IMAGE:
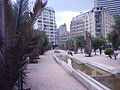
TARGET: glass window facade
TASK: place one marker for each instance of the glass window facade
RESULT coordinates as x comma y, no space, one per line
112,5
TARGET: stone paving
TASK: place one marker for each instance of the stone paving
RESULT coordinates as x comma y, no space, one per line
103,59
48,75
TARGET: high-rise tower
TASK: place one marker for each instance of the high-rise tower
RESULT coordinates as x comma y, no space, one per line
46,22
113,6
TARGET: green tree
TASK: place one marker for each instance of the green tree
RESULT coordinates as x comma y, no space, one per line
70,45
40,42
15,32
114,36
114,39
116,27
97,43
79,42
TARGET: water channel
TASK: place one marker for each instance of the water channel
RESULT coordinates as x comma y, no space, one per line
109,80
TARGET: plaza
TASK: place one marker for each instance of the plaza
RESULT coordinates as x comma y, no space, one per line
49,75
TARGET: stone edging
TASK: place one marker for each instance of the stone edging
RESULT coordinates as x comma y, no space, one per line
107,68
86,80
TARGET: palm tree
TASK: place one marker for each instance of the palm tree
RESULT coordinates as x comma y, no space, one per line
40,43
15,32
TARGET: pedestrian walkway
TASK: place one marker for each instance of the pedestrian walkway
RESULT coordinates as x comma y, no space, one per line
48,75
103,59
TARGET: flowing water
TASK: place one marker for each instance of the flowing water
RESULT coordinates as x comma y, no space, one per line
107,79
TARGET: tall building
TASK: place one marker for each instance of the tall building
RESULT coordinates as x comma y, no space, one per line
77,26
65,37
46,22
111,5
97,21
62,30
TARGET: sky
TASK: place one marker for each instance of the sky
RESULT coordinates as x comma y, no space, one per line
67,9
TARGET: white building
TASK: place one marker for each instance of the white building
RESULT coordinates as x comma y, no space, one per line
46,22
97,21
77,26
62,30
65,37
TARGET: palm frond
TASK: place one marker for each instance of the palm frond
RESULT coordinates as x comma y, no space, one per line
15,35
22,8
9,61
1,25
7,24
39,5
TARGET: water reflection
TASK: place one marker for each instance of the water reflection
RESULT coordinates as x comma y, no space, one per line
107,79
111,81
88,69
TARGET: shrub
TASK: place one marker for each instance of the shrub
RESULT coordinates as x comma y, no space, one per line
109,51
56,51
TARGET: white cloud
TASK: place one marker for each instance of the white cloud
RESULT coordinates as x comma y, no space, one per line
65,17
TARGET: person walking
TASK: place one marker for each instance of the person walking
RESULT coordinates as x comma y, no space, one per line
70,52
100,49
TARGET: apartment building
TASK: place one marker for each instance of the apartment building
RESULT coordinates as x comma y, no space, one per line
77,26
65,37
46,22
97,21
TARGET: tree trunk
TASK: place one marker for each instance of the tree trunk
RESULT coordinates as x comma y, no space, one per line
81,50
100,49
95,51
89,55
75,50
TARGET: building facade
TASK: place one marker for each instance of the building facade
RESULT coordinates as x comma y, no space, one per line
77,26
98,22
65,37
46,22
62,31
112,5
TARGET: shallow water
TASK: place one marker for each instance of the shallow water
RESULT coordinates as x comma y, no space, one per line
111,81
86,69
107,79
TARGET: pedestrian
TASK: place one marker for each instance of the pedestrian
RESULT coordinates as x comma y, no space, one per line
100,49
115,55
70,52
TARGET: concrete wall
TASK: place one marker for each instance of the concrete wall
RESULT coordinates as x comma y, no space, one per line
86,80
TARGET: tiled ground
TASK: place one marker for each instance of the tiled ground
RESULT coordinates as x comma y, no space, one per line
48,75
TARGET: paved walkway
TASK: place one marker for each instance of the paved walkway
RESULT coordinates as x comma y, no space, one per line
103,59
48,75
